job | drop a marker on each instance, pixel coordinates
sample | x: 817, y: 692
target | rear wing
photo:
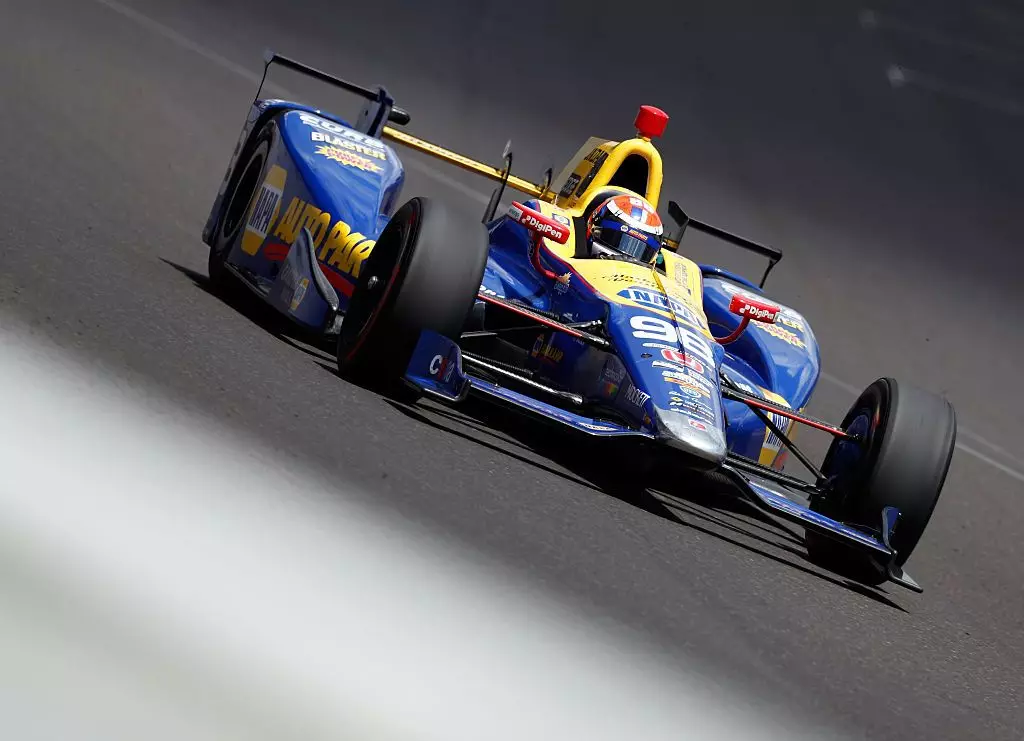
x: 380, y: 109
x: 380, y: 106
x: 683, y: 221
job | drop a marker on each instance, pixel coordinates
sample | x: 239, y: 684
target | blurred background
x: 876, y: 144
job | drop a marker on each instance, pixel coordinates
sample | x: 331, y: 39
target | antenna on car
x: 496, y: 194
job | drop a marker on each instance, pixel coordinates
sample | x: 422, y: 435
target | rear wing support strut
x: 683, y: 221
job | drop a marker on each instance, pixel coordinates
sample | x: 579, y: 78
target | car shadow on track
x: 248, y: 306
x: 706, y: 506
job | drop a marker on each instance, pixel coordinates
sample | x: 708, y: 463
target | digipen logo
x: 538, y: 223
x: 758, y: 311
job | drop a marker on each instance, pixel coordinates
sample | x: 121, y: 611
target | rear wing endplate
x: 380, y: 106
x: 683, y: 221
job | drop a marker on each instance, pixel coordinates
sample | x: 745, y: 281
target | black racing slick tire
x: 423, y: 274
x: 906, y: 440
x: 242, y: 188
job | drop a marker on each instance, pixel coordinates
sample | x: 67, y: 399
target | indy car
x: 691, y: 361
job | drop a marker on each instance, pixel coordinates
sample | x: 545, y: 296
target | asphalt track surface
x: 896, y: 206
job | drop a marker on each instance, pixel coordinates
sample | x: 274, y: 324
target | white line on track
x: 173, y: 36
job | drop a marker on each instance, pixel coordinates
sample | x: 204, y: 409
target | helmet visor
x: 633, y: 243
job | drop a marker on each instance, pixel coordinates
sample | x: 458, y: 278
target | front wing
x: 436, y: 369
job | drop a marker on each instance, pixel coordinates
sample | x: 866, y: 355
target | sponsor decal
x: 636, y: 396
x: 299, y: 294
x: 561, y: 219
x: 537, y: 222
x: 791, y: 320
x: 681, y: 273
x: 562, y: 283
x: 669, y: 366
x: 701, y: 381
x: 336, y: 128
x: 658, y: 300
x: 545, y: 351
x: 613, y: 371
x: 570, y: 186
x: 783, y: 334
x: 336, y: 243
x: 598, y: 428
x: 441, y: 368
x: 653, y: 328
x: 264, y: 210
x: 772, y: 442
x: 639, y: 280
x: 756, y: 310
x: 611, y: 376
x: 597, y: 158
x: 551, y: 353
x: 697, y: 425
x: 349, y: 159
x: 693, y: 408
x: 686, y: 387
x: 342, y: 143
x: 674, y: 356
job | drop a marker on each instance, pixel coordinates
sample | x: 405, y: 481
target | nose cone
x: 698, y: 438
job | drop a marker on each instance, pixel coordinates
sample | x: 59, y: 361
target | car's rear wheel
x: 238, y: 201
x: 900, y: 459
x: 423, y: 274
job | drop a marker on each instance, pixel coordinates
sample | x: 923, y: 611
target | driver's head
x: 625, y: 225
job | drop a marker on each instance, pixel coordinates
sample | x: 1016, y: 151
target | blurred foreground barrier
x: 161, y: 581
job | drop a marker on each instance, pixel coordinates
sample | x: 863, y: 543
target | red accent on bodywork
x: 751, y: 308
x: 278, y: 252
x: 538, y: 223
x: 523, y: 311
x: 342, y: 284
x: 796, y: 417
x: 735, y: 335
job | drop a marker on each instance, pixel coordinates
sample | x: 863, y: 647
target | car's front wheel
x: 423, y: 274
x: 902, y: 451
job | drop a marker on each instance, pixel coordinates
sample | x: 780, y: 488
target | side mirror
x: 538, y: 223
x: 753, y: 309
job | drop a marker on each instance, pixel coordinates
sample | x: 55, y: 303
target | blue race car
x: 574, y: 305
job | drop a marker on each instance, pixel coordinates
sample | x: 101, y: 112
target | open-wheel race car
x: 572, y: 304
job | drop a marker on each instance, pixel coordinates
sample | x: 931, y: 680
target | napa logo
x: 654, y: 299
x: 658, y: 300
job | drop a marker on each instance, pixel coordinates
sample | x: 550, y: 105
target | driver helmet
x: 625, y: 225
